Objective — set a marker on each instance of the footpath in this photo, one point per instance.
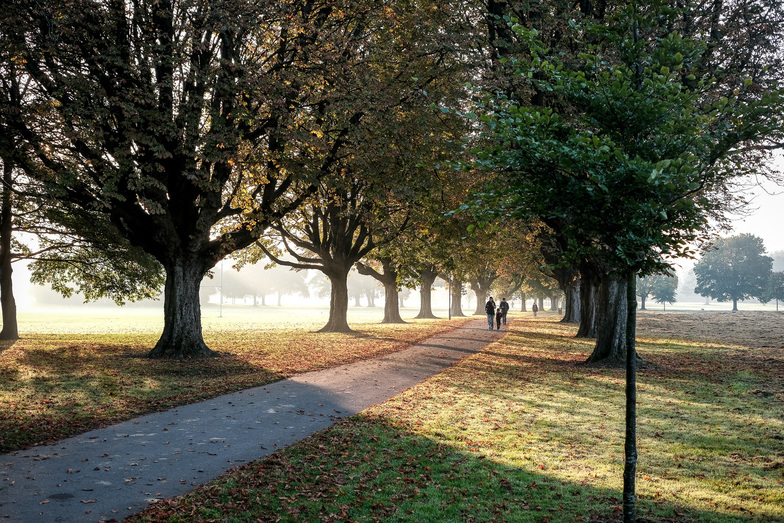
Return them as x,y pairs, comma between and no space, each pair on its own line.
110,473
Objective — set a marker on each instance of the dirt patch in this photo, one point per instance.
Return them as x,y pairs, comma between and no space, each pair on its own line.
752,329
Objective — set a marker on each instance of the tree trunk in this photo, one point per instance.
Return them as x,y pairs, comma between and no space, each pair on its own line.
457,297
610,348
630,445
425,296
541,303
388,278
522,307
734,305
554,303
7,301
338,302
182,336
589,291
391,303
642,301
571,302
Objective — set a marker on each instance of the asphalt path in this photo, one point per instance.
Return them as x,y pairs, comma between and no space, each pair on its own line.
108,474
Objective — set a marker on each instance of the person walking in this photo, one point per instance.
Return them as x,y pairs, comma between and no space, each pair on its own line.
535,309
504,306
498,315
490,310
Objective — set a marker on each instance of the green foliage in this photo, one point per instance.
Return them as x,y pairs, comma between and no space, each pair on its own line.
631,152
774,289
734,269
661,287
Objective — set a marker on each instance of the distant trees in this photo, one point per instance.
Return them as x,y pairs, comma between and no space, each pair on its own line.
661,287
734,269
774,290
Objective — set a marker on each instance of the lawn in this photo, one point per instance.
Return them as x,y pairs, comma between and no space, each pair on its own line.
522,432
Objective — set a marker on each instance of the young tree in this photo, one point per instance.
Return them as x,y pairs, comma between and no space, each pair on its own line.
734,269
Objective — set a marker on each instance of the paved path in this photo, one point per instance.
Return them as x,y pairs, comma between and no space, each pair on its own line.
110,473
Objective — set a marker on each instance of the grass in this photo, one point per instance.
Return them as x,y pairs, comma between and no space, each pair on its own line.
523,433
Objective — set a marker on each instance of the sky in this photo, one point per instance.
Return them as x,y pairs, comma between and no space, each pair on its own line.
767,221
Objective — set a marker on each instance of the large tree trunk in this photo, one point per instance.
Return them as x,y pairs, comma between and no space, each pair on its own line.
425,296
630,445
338,302
481,287
7,301
456,309
610,348
571,302
182,336
554,303
589,291
388,278
391,303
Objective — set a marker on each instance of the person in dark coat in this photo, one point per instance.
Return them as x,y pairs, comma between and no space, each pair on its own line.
490,310
504,306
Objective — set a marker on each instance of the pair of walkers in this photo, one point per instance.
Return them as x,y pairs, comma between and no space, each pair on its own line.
496,313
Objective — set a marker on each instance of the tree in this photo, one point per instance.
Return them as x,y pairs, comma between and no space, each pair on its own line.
734,269
774,290
626,161
200,124
662,287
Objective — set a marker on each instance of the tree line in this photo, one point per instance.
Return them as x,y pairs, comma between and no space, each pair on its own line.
481,142
145,141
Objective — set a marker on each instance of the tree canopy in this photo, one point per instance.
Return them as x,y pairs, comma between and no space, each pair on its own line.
734,269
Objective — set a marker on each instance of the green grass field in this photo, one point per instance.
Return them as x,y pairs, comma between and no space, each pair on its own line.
521,432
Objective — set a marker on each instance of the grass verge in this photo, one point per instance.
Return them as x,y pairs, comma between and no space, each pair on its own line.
523,433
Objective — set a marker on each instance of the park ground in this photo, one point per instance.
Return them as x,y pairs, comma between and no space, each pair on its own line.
520,432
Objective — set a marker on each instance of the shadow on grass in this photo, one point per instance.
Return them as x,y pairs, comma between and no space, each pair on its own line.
368,469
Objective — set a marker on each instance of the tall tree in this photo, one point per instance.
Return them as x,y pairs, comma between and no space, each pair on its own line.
625,166
734,269
196,126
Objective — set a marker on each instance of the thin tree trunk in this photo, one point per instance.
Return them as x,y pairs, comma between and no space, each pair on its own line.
425,295
642,302
7,301
182,335
522,307
630,445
